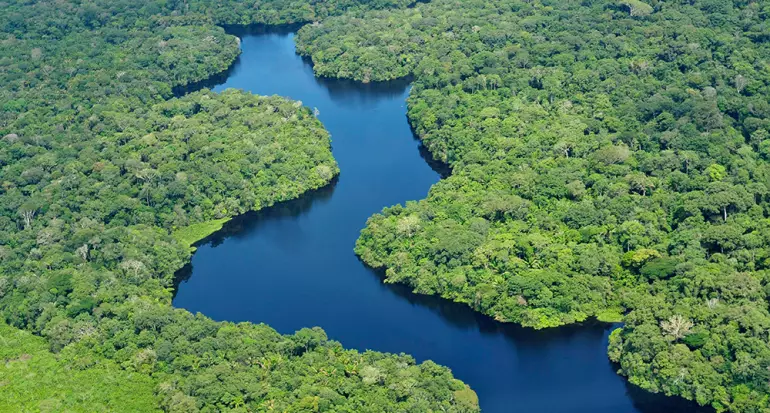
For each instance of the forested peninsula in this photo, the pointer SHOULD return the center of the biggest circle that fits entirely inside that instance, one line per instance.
(610, 160)
(107, 178)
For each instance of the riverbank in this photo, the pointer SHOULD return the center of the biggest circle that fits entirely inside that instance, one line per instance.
(291, 265)
(103, 164)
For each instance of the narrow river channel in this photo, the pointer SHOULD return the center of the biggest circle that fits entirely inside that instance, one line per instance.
(293, 266)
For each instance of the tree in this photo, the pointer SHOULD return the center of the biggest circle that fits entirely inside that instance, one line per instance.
(676, 327)
(408, 225)
(27, 214)
(637, 8)
(716, 172)
(640, 182)
(721, 197)
(82, 252)
(133, 268)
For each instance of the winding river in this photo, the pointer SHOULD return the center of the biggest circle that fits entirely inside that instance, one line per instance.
(293, 266)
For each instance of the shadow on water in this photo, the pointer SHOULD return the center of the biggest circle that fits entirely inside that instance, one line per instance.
(464, 317)
(443, 169)
(261, 29)
(351, 93)
(647, 402)
(249, 222)
(209, 83)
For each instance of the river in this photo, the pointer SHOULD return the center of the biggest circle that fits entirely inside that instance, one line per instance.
(293, 266)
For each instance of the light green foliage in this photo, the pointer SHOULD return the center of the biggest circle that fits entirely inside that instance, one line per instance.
(604, 163)
(610, 315)
(32, 379)
(637, 7)
(191, 234)
(466, 397)
(105, 182)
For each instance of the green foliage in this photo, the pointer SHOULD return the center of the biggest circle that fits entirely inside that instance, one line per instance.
(33, 379)
(610, 315)
(191, 234)
(659, 268)
(466, 397)
(105, 182)
(637, 7)
(607, 156)
(696, 340)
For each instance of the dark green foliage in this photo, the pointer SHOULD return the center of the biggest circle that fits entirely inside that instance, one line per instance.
(659, 268)
(99, 165)
(606, 154)
(696, 340)
(60, 284)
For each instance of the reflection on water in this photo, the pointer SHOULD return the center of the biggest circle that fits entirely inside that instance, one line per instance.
(250, 222)
(292, 265)
(345, 92)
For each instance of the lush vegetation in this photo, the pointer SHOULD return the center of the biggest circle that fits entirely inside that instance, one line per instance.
(193, 233)
(106, 180)
(609, 157)
(34, 379)
(285, 11)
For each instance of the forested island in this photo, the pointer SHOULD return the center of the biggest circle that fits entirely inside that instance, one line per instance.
(107, 179)
(609, 160)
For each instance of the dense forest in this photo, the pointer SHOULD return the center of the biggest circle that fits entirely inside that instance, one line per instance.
(610, 160)
(107, 178)
(32, 379)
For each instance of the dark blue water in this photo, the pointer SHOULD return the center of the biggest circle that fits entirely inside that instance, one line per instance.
(293, 266)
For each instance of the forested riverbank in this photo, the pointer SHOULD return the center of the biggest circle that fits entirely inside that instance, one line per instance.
(107, 180)
(609, 160)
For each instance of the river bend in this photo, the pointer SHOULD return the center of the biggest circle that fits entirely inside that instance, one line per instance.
(293, 266)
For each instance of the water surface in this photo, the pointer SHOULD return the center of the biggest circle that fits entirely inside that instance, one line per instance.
(293, 266)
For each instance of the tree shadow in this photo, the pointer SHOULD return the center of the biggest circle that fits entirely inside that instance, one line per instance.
(647, 402)
(464, 317)
(242, 225)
